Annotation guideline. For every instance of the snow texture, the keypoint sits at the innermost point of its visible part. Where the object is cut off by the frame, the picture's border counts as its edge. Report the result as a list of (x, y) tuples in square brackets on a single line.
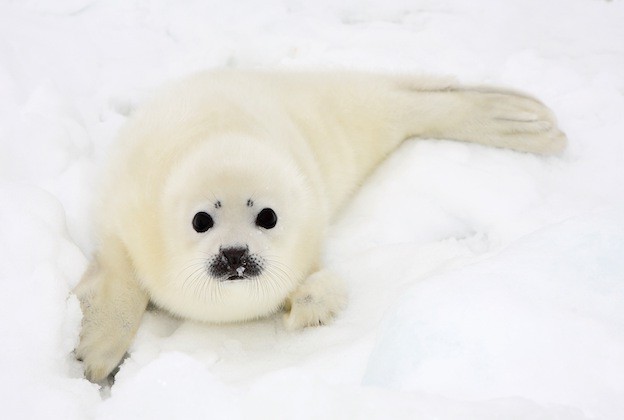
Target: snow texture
[(484, 284)]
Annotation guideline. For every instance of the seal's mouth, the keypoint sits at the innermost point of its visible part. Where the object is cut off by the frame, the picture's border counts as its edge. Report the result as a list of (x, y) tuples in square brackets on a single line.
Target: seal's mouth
[(236, 277)]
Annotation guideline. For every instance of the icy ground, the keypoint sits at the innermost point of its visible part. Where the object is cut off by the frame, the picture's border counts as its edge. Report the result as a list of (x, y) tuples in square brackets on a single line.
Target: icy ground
[(484, 283)]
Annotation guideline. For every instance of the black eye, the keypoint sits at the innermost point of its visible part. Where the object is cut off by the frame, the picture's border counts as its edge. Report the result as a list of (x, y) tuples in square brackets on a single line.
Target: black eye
[(202, 222), (266, 219)]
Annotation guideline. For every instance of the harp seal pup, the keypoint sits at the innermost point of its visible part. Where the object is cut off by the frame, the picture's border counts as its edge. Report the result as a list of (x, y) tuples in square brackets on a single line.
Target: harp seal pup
[(222, 185)]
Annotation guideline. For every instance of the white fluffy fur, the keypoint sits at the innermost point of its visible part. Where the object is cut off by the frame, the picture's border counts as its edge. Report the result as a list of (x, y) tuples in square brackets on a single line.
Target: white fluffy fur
[(297, 143)]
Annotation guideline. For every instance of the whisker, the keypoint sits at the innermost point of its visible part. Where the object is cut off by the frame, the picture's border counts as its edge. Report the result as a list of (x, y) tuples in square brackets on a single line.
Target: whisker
[(276, 281), (191, 278)]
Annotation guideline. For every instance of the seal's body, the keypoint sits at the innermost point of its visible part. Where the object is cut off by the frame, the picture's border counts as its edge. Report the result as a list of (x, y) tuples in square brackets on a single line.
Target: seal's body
[(223, 184)]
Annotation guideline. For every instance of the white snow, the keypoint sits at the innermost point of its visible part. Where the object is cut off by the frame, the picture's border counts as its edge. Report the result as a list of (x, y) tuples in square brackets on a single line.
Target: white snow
[(484, 284)]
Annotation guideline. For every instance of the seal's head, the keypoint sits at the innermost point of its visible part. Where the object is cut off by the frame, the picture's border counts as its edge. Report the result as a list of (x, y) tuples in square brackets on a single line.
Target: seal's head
[(239, 230)]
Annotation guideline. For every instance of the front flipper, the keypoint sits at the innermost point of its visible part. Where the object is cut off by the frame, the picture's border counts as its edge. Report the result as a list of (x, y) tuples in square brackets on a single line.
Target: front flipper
[(316, 301), (112, 304)]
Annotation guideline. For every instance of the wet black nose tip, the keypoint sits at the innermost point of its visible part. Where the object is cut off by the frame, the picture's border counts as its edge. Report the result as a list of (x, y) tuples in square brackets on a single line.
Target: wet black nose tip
[(234, 256)]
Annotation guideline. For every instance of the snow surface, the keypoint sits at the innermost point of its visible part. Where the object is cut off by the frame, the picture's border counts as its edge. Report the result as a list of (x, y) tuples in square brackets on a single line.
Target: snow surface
[(484, 283)]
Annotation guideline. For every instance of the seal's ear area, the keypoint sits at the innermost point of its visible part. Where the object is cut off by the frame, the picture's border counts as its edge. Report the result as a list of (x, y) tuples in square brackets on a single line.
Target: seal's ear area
[(112, 304)]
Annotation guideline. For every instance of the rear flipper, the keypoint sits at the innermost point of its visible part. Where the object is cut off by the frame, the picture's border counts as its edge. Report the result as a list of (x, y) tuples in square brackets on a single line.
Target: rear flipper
[(488, 116)]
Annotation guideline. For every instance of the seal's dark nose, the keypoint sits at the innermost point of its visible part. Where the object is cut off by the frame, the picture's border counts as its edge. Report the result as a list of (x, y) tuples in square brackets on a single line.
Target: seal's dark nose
[(235, 263), (234, 256)]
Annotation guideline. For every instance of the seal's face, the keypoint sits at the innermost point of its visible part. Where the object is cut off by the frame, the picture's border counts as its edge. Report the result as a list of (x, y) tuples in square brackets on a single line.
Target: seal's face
[(239, 235), (235, 239), (234, 261)]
